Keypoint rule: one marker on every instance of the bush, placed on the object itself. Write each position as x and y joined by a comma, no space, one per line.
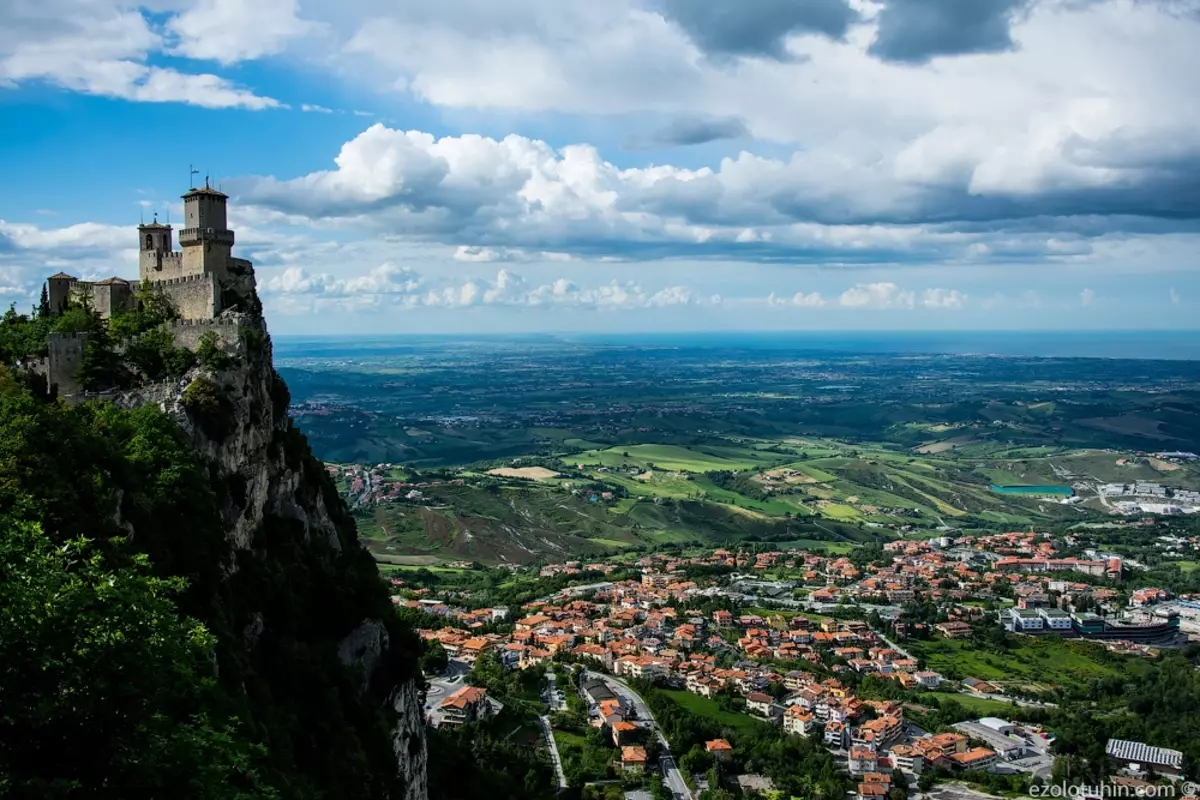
210,408
210,355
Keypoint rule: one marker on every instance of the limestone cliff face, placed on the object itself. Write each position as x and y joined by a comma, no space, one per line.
290,535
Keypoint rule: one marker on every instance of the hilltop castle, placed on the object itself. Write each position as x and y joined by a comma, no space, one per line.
203,281
194,278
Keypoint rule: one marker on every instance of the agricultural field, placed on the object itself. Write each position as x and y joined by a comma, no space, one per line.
715,444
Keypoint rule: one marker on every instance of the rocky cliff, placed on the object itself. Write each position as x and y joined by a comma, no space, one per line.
306,626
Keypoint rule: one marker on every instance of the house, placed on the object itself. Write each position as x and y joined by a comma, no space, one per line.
798,721
954,630
465,705
872,791
949,743
624,732
975,758
760,704
863,760
719,749
929,679
633,758
908,758
835,734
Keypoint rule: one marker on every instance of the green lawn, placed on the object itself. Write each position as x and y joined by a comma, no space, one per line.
704,707
1188,566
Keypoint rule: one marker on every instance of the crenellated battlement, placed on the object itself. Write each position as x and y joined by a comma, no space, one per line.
182,280
219,322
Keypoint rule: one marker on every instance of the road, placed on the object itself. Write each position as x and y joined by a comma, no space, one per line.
552,746
672,776
443,685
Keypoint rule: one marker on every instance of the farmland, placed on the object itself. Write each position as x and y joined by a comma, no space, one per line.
525,450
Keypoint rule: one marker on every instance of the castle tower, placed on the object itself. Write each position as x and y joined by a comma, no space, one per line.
205,239
58,291
154,247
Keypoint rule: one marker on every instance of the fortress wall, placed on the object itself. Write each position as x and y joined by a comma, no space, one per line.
171,266
195,296
187,333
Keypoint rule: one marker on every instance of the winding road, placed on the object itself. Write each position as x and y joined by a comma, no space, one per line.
672,776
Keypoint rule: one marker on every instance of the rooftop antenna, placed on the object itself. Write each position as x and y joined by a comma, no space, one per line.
192,171
142,215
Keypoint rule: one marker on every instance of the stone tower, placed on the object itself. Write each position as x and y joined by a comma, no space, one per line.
155,249
205,237
58,291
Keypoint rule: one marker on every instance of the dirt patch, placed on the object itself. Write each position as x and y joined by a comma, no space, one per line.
527,473
1163,466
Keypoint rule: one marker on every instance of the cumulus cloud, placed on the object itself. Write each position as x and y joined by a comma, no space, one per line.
1086,297
915,31
522,193
885,295
315,109
757,27
100,47
229,31
400,287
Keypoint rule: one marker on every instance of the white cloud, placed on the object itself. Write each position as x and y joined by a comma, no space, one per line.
100,47
798,300
1086,297
1175,298
228,31
315,109
400,287
943,298
884,295
518,194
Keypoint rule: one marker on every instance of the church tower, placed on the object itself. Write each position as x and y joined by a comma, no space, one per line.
205,239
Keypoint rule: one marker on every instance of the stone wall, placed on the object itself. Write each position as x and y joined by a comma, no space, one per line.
154,266
196,297
63,360
108,298
187,332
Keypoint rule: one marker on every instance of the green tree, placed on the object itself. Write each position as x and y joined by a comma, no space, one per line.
434,658
100,669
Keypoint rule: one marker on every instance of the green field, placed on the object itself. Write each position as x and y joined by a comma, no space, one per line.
979,706
1044,660
705,707
675,458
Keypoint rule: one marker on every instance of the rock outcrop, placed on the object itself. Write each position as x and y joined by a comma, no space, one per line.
284,522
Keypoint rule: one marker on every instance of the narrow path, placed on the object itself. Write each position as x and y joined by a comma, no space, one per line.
552,746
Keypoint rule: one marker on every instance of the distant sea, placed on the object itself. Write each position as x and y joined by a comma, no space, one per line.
1169,345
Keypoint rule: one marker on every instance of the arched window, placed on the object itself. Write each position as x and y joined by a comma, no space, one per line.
149,242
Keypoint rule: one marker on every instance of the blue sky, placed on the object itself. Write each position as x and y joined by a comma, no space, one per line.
526,165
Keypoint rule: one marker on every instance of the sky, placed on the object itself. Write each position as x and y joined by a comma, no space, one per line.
627,165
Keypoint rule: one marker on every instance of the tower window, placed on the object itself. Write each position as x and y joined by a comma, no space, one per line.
149,242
